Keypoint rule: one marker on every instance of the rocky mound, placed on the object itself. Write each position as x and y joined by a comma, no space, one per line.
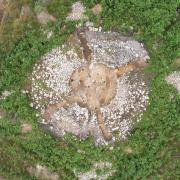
112,82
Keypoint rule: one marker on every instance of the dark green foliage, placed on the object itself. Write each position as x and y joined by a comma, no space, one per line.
154,147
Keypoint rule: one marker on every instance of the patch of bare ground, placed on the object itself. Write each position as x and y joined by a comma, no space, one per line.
97,9
1,178
25,128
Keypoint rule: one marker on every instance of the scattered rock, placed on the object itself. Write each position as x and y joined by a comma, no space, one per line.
174,79
92,174
51,77
42,172
26,127
44,17
77,13
97,9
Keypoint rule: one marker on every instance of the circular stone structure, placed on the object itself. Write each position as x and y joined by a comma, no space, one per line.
92,86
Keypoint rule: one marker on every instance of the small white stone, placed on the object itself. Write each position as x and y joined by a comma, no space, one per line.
137,55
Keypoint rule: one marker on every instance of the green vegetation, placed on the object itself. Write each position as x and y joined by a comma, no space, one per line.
151,152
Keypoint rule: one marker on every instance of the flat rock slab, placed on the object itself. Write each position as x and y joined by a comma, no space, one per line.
174,79
77,13
51,77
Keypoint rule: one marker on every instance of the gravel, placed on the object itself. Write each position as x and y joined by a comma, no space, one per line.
50,81
115,50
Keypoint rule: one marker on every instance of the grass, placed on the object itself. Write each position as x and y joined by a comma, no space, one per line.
152,152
